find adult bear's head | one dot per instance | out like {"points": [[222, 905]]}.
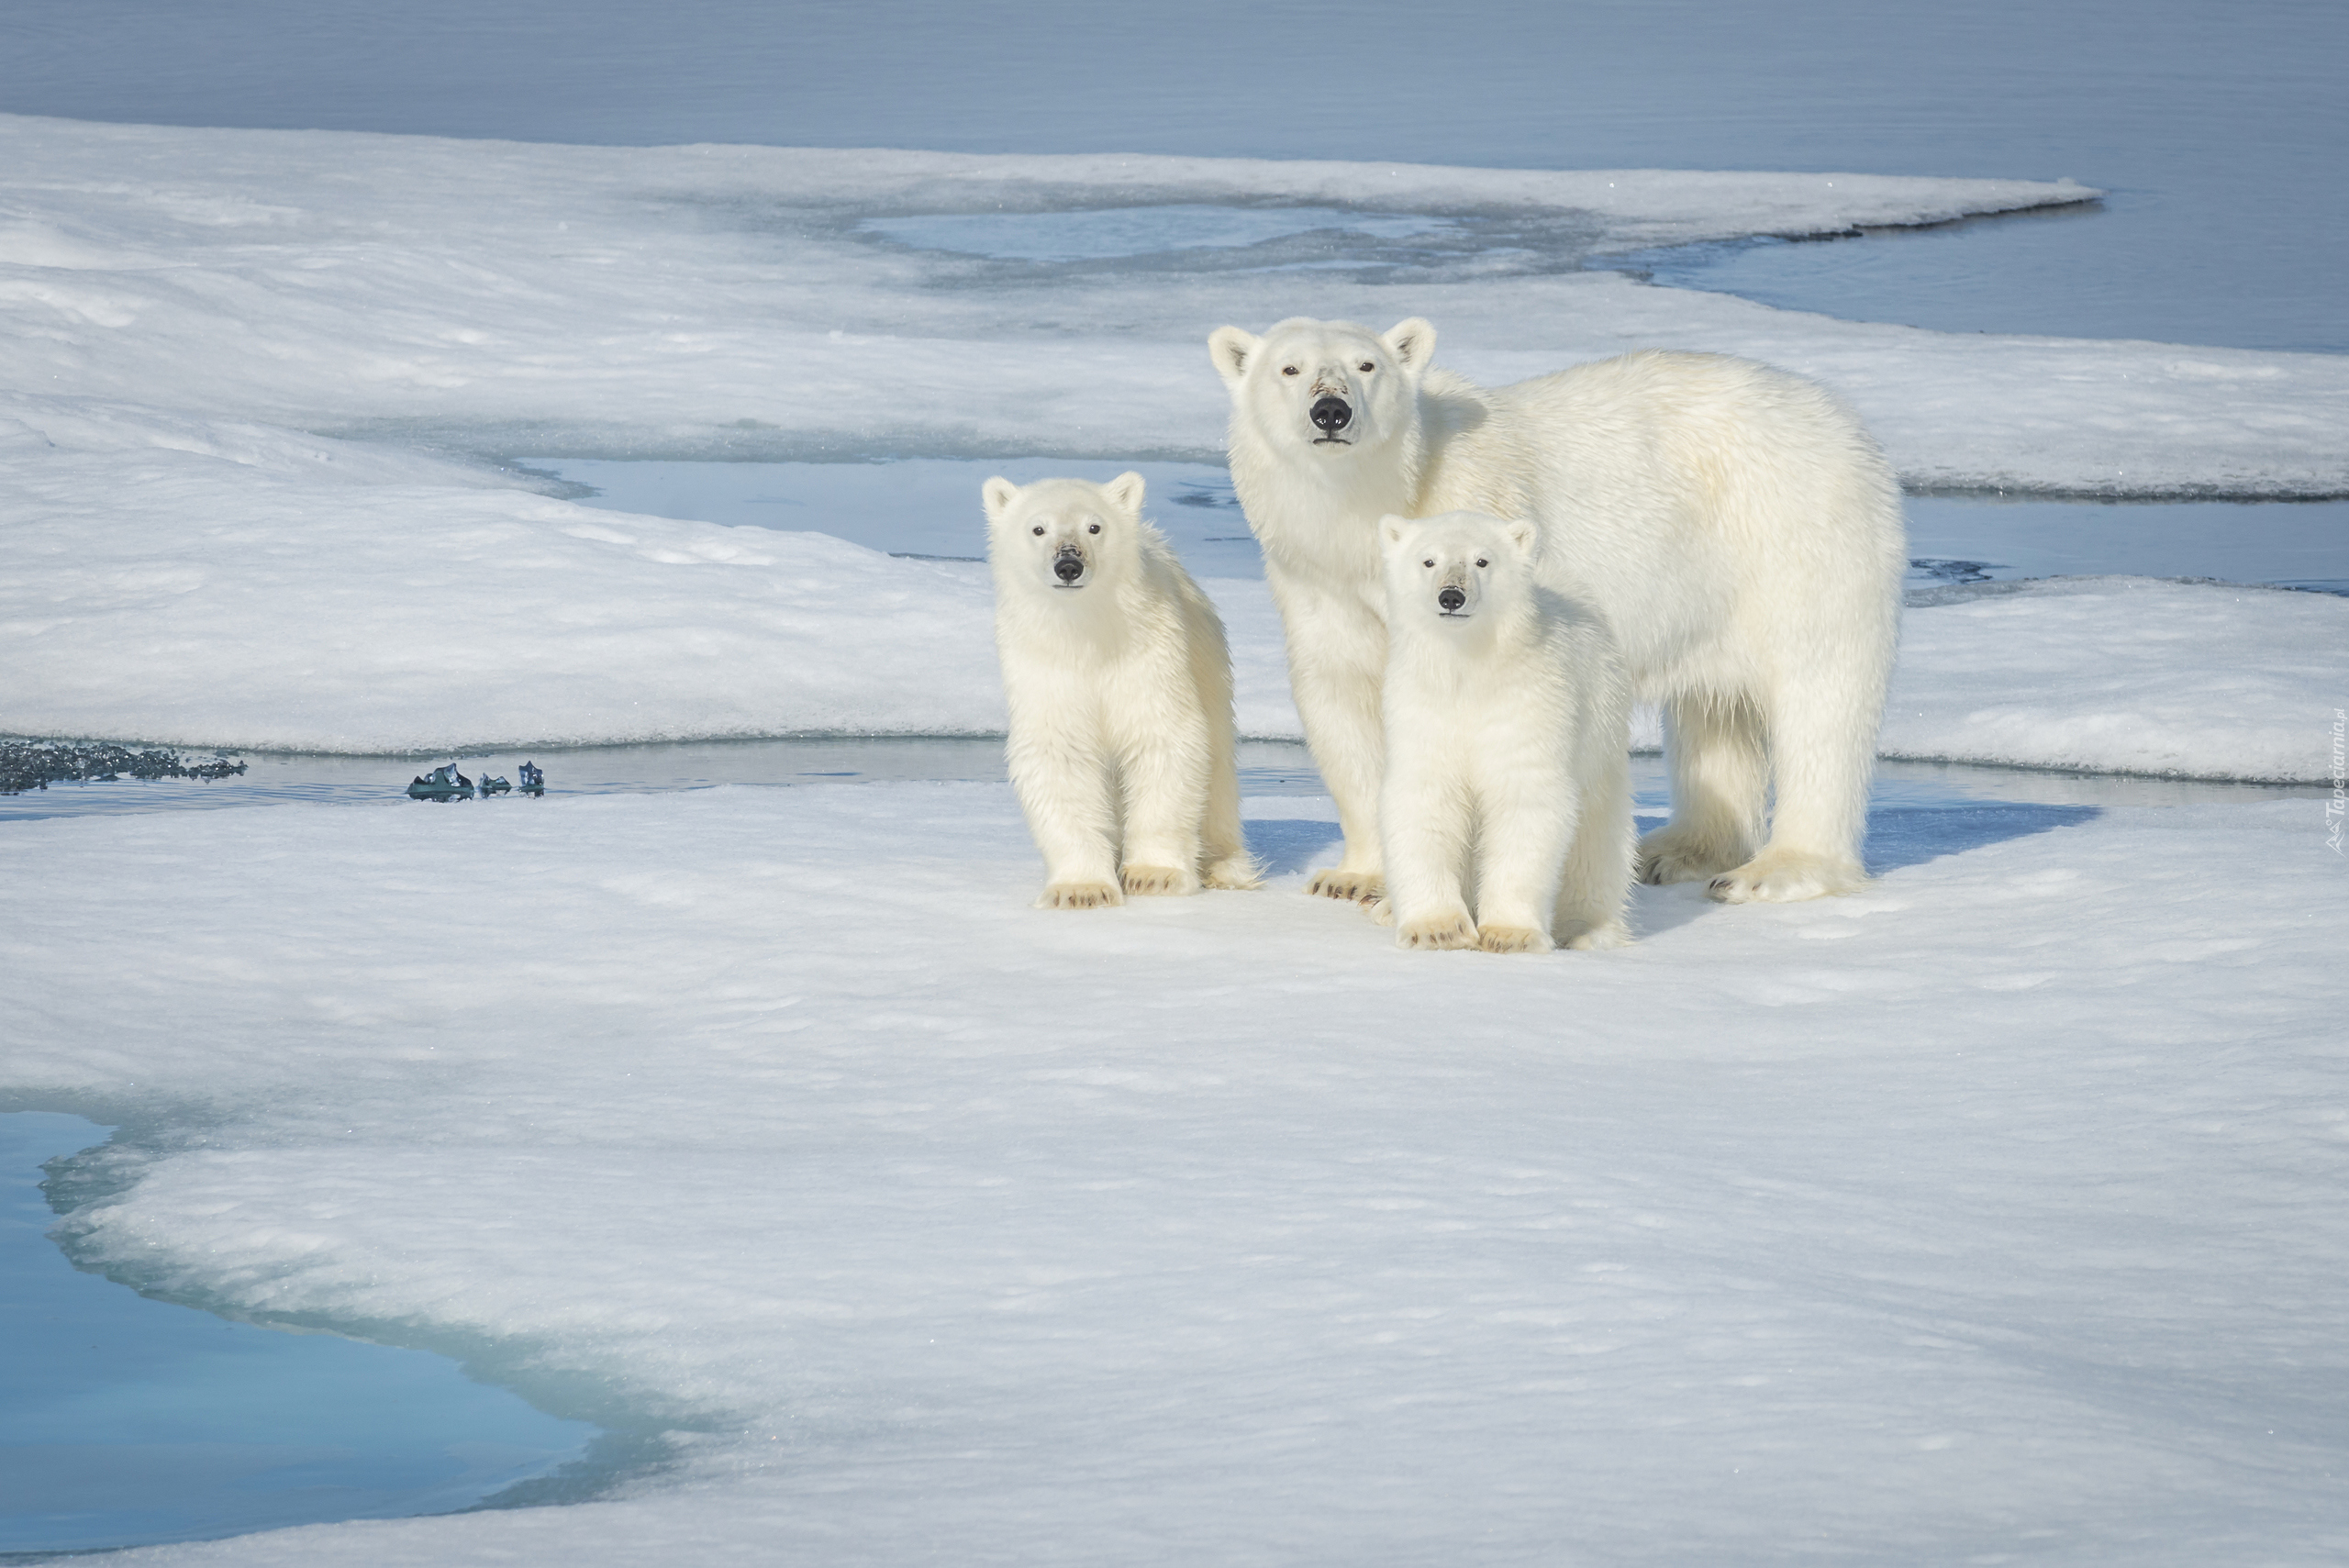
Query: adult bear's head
{"points": [[1063, 534], [1329, 389]]}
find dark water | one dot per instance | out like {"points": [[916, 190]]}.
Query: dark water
{"points": [[2219, 128], [126, 1420], [1266, 768], [930, 507]]}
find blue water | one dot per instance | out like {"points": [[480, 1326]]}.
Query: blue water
{"points": [[2219, 128], [126, 1420], [928, 507]]}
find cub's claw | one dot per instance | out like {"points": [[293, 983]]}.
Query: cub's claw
{"points": [[1512, 939], [1149, 881], [1079, 896], [1433, 931]]}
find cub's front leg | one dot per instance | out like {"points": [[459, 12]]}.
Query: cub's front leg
{"points": [[1425, 826], [1063, 785], [1164, 758]]}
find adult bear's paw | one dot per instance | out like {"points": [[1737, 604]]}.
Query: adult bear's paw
{"points": [[1355, 886], [1667, 857], [1780, 876], [1239, 872]]}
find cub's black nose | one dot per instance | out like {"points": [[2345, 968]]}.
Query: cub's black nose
{"points": [[1451, 598], [1332, 414], [1069, 568]]}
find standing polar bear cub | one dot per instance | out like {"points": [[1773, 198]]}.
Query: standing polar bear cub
{"points": [[1734, 525], [1119, 688], [1506, 705]]}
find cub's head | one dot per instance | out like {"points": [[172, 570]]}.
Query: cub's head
{"points": [[1456, 570], [1064, 535], [1326, 389]]}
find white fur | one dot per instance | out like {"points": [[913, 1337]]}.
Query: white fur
{"points": [[1507, 781], [1734, 524], [1119, 688]]}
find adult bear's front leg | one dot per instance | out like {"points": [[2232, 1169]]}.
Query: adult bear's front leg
{"points": [[1337, 661]]}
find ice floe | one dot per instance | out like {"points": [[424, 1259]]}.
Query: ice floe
{"points": [[1990, 1205], [730, 301]]}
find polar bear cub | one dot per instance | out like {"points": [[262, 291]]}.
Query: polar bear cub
{"points": [[1119, 688], [1506, 709]]}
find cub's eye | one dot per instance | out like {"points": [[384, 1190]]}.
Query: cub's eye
{"points": [[1367, 367], [1482, 561], [1093, 527], [1427, 563], [1040, 530], [1289, 370]]}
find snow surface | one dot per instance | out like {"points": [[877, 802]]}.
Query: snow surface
{"points": [[723, 301], [1990, 1211], [193, 583]]}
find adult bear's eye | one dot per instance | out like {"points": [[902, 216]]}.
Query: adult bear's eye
{"points": [[1093, 527], [1482, 561], [1040, 530], [1368, 367], [1289, 370]]}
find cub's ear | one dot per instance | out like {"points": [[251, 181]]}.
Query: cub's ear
{"points": [[1390, 531], [998, 493], [1125, 493], [1412, 343], [1523, 534], [1230, 348]]}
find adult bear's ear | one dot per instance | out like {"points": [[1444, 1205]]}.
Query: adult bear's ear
{"points": [[1125, 493], [1412, 343], [1231, 348], [998, 493], [1523, 534]]}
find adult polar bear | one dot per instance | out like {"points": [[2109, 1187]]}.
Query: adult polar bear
{"points": [[1736, 525]]}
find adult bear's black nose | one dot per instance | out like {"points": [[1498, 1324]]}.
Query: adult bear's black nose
{"points": [[1332, 414], [1069, 568], [1450, 599]]}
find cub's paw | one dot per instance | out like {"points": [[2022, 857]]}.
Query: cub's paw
{"points": [[1431, 931], [1774, 878], [1379, 911], [1601, 937], [1149, 881], [1235, 871], [1355, 886], [1666, 857], [1513, 938], [1080, 896]]}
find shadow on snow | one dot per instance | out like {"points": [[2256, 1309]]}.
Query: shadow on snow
{"points": [[1897, 836]]}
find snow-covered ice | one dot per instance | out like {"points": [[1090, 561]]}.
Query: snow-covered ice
{"points": [[190, 583], [716, 301], [1991, 1210]]}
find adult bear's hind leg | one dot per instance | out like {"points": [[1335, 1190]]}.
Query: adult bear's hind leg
{"points": [[1715, 745], [1822, 752]]}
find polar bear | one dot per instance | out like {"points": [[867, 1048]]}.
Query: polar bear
{"points": [[1734, 524], [1119, 688], [1505, 706]]}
